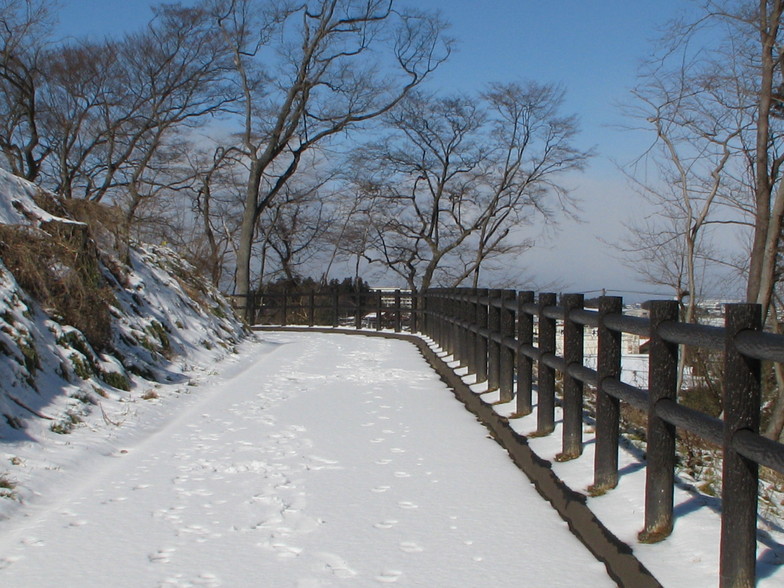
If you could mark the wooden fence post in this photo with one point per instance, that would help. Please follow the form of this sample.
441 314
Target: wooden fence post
464 311
398 317
252 300
285 307
416 305
740 476
507 359
358 310
662 384
608 412
435 307
545 406
493 348
335 307
525 336
452 330
481 342
379 308
572 387
471 336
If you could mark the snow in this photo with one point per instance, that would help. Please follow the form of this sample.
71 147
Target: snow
17 206
311 460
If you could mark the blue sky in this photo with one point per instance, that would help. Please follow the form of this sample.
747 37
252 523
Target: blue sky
593 49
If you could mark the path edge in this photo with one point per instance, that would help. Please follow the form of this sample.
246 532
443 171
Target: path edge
617 556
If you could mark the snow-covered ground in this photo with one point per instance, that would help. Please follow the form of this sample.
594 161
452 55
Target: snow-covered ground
314 459
309 460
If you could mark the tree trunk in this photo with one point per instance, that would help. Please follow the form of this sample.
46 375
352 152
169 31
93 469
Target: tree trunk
769 265
768 32
245 246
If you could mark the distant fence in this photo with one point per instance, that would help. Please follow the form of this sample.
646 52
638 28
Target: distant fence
502 335
374 309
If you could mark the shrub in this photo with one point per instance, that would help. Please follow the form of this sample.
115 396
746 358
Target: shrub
116 380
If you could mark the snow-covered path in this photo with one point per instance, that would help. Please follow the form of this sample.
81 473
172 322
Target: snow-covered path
328 460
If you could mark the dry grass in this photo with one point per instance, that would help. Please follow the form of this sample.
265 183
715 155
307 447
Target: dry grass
59 267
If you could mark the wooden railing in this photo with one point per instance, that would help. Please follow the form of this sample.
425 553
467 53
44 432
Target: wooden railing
508 339
374 309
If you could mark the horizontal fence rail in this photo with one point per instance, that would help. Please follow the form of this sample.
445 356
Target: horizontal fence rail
509 340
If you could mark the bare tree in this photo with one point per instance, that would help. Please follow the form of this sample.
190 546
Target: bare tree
717 112
339 63
217 199
77 99
176 74
295 225
101 120
425 172
25 27
532 147
698 146
460 178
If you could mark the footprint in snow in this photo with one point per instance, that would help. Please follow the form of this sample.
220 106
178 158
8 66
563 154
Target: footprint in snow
283 550
389 576
8 561
33 541
323 460
162 555
387 524
410 547
336 564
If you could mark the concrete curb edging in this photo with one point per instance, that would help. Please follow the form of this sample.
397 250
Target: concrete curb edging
621 564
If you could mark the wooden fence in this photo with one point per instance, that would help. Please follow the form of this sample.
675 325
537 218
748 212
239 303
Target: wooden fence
508 339
375 309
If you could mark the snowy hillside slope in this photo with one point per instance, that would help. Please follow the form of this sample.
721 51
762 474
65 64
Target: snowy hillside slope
89 328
